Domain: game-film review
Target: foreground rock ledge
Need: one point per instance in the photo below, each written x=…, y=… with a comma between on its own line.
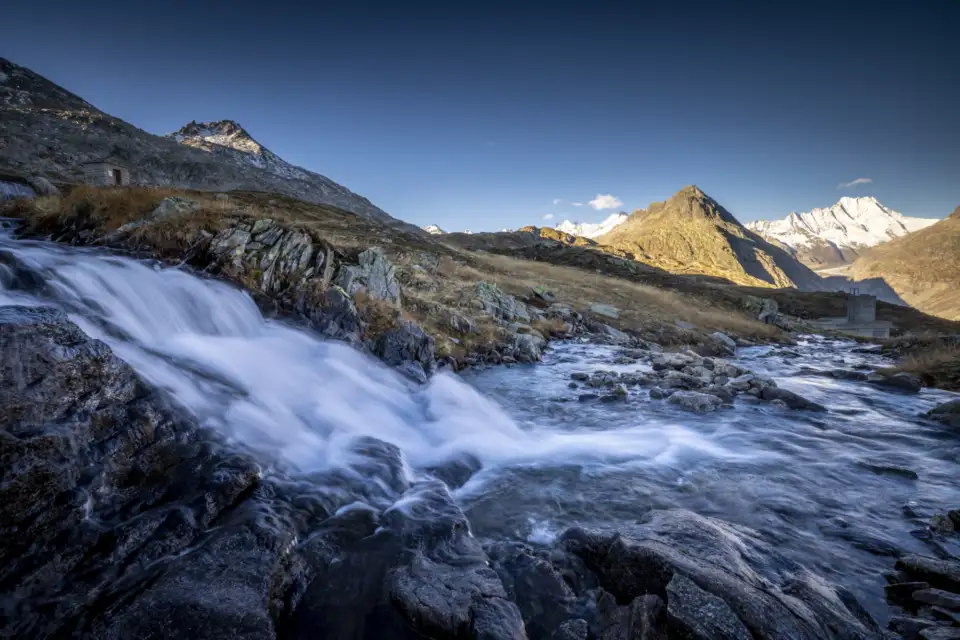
x=121, y=518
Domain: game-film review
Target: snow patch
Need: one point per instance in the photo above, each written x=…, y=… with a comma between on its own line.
x=434, y=230
x=593, y=230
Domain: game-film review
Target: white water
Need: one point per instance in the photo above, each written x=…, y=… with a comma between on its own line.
x=281, y=391
x=549, y=461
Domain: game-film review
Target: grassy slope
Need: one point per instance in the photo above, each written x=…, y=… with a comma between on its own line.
x=922, y=267
x=691, y=233
x=436, y=278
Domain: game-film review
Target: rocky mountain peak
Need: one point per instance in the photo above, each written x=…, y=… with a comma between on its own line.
x=22, y=88
x=226, y=133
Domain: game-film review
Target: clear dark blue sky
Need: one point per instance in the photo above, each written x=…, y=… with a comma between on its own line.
x=481, y=114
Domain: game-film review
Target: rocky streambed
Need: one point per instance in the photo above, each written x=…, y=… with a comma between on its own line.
x=174, y=465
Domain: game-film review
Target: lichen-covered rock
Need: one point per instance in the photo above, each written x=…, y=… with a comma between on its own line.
x=492, y=301
x=375, y=274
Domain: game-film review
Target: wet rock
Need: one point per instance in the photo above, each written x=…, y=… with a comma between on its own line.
x=947, y=413
x=700, y=615
x=906, y=382
x=580, y=376
x=771, y=597
x=741, y=383
x=643, y=618
x=941, y=524
x=790, y=399
x=940, y=633
x=724, y=342
x=575, y=629
x=845, y=374
x=456, y=472
x=724, y=394
x=587, y=397
x=908, y=627
x=942, y=574
x=412, y=371
x=42, y=186
x=659, y=394
x=887, y=468
x=938, y=597
x=695, y=401
x=335, y=316
x=901, y=593
x=407, y=343
x=375, y=274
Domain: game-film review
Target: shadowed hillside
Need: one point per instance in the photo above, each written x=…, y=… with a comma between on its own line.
x=923, y=267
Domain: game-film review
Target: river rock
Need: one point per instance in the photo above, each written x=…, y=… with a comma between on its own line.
x=790, y=399
x=942, y=574
x=700, y=615
x=899, y=381
x=407, y=342
x=771, y=598
x=375, y=274
x=724, y=342
x=947, y=413
x=527, y=347
x=695, y=401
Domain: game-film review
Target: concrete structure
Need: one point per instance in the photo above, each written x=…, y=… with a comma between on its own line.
x=861, y=318
x=108, y=172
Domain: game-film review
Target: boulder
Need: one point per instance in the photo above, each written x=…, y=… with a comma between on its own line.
x=790, y=399
x=769, y=311
x=726, y=571
x=42, y=186
x=947, y=413
x=407, y=342
x=724, y=342
x=695, y=401
x=375, y=274
x=902, y=381
x=527, y=347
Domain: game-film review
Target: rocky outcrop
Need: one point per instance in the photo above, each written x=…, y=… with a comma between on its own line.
x=374, y=274
x=927, y=593
x=492, y=301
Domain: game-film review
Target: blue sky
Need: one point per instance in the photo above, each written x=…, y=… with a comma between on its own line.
x=481, y=115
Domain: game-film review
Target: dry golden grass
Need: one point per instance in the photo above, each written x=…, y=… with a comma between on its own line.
x=936, y=366
x=437, y=279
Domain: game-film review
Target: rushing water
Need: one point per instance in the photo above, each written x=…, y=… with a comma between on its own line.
x=813, y=484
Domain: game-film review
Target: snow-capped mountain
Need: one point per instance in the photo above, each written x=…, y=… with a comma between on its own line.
x=434, y=230
x=593, y=229
x=836, y=235
x=228, y=134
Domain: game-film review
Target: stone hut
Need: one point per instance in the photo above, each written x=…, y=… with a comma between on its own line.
x=109, y=172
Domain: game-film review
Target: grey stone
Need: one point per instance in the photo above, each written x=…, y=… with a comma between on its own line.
x=699, y=615
x=771, y=596
x=947, y=413
x=725, y=342
x=769, y=311
x=575, y=629
x=407, y=342
x=695, y=401
x=605, y=310
x=938, y=597
x=906, y=382
x=490, y=299
x=942, y=574
x=790, y=399
x=375, y=274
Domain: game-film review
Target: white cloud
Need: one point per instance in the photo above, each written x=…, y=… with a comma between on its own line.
x=557, y=201
x=606, y=201
x=549, y=216
x=577, y=204
x=854, y=183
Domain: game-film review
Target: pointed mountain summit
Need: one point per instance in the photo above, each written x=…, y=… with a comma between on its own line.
x=48, y=131
x=691, y=233
x=837, y=235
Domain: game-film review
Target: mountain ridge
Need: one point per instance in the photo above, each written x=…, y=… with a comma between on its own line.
x=52, y=132
x=837, y=235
